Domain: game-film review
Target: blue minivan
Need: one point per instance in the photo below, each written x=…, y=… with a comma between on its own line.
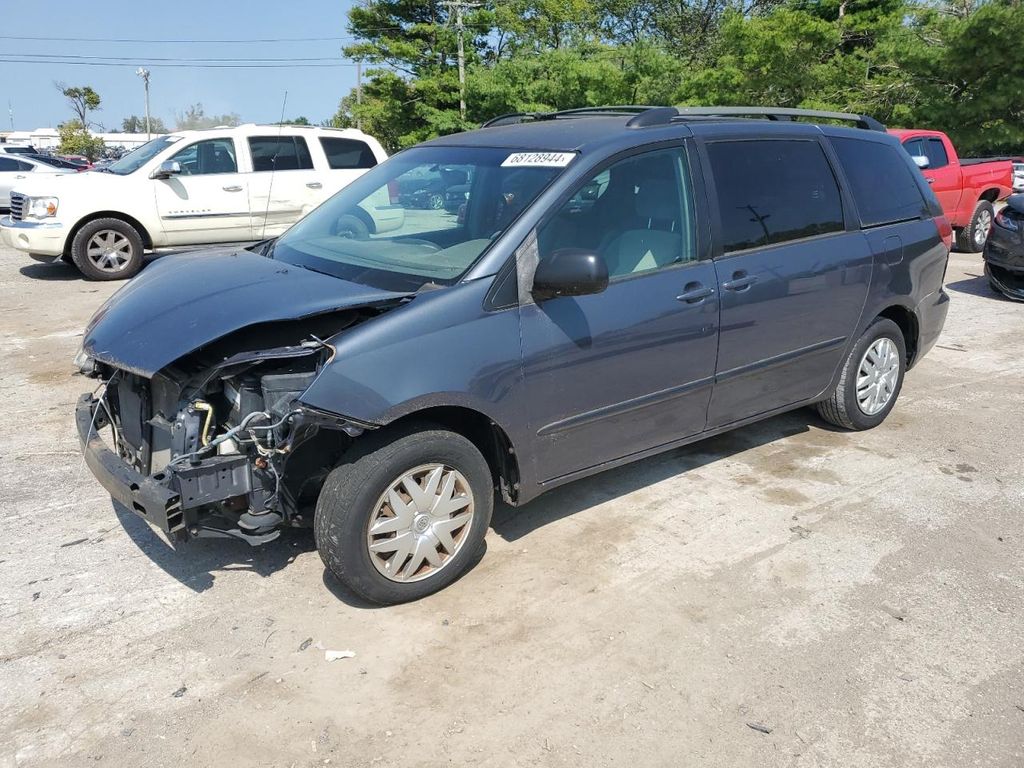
x=617, y=282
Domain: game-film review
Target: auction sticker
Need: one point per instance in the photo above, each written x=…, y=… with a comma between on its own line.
x=538, y=160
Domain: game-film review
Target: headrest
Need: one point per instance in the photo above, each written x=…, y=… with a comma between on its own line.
x=657, y=199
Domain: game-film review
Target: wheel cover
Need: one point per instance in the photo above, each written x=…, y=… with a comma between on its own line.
x=109, y=251
x=981, y=227
x=420, y=523
x=877, y=374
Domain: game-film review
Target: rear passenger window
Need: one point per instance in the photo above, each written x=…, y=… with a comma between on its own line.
x=347, y=153
x=773, y=191
x=637, y=214
x=280, y=153
x=936, y=153
x=883, y=183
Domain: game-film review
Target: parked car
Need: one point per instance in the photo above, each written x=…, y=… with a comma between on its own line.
x=1004, y=251
x=1018, y=174
x=56, y=162
x=194, y=187
x=17, y=149
x=428, y=189
x=382, y=390
x=15, y=169
x=966, y=189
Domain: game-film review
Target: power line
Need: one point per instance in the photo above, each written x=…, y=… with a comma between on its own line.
x=144, y=40
x=168, y=58
x=176, y=66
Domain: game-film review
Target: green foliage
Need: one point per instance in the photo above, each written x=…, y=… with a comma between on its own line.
x=136, y=124
x=75, y=139
x=947, y=64
x=81, y=99
x=194, y=118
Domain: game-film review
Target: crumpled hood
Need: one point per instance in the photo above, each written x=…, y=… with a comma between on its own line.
x=180, y=303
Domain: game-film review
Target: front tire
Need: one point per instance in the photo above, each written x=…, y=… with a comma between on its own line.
x=107, y=249
x=972, y=238
x=405, y=514
x=871, y=379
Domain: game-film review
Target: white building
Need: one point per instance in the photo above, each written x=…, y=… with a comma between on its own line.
x=49, y=138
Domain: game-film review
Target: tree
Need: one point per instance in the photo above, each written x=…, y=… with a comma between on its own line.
x=296, y=121
x=75, y=139
x=136, y=124
x=82, y=100
x=193, y=117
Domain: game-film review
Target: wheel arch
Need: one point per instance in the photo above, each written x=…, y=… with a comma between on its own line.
x=908, y=323
x=147, y=241
x=990, y=195
x=487, y=435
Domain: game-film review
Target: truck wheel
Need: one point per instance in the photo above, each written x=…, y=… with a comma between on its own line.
x=405, y=514
x=871, y=379
x=107, y=249
x=971, y=239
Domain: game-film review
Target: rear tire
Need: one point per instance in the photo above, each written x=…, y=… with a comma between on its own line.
x=865, y=395
x=107, y=249
x=357, y=498
x=972, y=238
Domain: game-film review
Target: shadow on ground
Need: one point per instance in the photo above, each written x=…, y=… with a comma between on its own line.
x=976, y=285
x=195, y=563
x=55, y=270
x=512, y=523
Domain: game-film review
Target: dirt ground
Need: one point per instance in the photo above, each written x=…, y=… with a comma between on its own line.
x=785, y=595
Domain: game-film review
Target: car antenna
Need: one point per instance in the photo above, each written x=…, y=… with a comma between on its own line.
x=273, y=166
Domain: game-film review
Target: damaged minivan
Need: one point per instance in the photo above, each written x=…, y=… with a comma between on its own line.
x=612, y=283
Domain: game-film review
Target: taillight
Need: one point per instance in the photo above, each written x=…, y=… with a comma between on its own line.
x=393, y=192
x=945, y=231
x=1009, y=220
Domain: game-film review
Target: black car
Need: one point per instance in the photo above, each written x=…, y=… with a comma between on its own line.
x=621, y=282
x=1004, y=250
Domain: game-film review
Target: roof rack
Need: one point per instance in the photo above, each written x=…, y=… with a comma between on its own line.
x=647, y=116
x=781, y=113
x=513, y=118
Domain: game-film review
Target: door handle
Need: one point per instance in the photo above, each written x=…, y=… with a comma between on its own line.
x=314, y=185
x=232, y=188
x=929, y=179
x=694, y=293
x=741, y=281
x=20, y=176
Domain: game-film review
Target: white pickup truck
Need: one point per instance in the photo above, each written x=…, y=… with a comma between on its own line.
x=221, y=185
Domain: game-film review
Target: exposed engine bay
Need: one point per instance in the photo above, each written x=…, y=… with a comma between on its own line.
x=223, y=445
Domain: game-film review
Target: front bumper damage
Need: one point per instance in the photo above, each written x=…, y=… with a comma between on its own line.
x=173, y=499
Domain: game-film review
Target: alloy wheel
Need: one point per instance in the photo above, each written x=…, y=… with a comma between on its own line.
x=109, y=250
x=982, y=225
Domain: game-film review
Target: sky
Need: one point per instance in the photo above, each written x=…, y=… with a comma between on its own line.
x=255, y=94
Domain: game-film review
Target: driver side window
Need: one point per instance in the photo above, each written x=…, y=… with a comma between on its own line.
x=637, y=215
x=208, y=156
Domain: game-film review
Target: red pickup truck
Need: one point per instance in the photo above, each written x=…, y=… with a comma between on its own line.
x=966, y=188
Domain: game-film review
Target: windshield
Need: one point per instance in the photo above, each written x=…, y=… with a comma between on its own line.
x=424, y=216
x=139, y=157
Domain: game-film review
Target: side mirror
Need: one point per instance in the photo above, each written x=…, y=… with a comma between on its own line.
x=570, y=272
x=167, y=169
x=920, y=161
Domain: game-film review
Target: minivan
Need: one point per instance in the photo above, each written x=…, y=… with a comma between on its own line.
x=617, y=282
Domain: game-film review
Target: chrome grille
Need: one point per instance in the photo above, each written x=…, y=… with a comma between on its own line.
x=17, y=206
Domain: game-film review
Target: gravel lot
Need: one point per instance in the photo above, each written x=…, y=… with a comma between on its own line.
x=781, y=595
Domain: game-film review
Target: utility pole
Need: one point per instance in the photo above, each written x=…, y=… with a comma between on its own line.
x=144, y=74
x=359, y=93
x=458, y=6
x=10, y=113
